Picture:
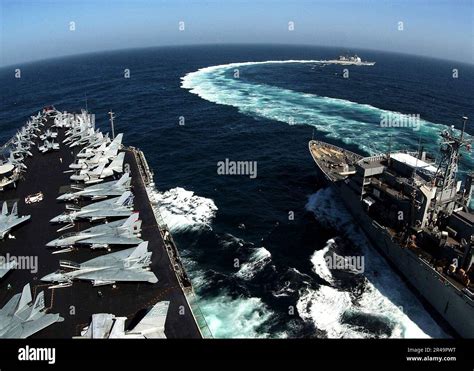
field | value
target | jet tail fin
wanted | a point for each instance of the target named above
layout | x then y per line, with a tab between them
125	199
38	306
15	209
117	142
117	164
102	148
25	298
153	324
124	180
4	208
98	170
131	220
140	251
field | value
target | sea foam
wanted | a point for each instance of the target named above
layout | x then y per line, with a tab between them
384	295
350	122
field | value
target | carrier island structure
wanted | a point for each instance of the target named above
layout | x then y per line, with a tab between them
84	251
415	211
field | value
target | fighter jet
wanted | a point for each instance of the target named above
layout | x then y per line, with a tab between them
112	208
24	138
130	265
8	221
121	232
100	155
85	138
48	146
100	190
80	135
20	318
108	326
102	171
90	150
48	134
17	161
21	149
80	126
63	120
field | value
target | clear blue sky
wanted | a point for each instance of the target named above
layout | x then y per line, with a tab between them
38	29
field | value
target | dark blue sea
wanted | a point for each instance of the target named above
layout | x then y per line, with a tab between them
257	270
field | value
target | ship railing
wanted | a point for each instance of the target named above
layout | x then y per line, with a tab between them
372	158
198	315
172	251
183	278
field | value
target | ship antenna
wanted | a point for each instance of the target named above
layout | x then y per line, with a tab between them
464	121
419	153
112	116
389	146
85	96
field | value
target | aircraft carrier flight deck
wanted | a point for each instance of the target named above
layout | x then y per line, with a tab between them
48	173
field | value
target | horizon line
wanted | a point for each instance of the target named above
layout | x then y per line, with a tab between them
229	44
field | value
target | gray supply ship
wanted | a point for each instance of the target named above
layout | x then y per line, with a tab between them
416	213
350	60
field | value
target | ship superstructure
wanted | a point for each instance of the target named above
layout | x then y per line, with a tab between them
350	60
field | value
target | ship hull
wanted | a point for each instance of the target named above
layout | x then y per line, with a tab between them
455	307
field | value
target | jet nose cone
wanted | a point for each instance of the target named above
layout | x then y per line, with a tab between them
51	243
56	219
63	197
48	278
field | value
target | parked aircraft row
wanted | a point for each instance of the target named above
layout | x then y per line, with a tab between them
18	148
98	160
94	196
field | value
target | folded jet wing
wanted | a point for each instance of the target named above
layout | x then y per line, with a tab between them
100	190
130	265
8	221
108	326
21	318
121	232
117	207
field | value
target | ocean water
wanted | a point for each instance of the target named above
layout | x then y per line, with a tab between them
281	286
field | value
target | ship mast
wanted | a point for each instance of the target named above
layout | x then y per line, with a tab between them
112	116
445	176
